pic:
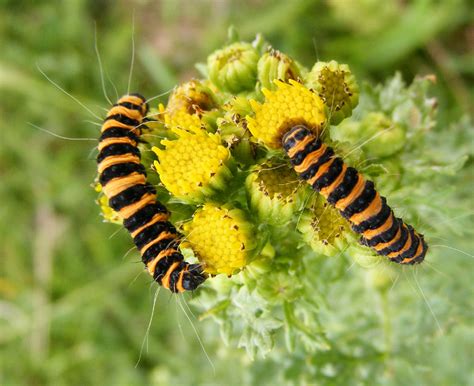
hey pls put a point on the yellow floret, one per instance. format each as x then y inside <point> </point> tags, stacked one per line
<point>193,164</point>
<point>289,105</point>
<point>221,238</point>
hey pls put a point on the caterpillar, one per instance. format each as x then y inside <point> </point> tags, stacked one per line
<point>123,180</point>
<point>356,199</point>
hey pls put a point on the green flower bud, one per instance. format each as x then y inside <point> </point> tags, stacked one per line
<point>384,137</point>
<point>234,68</point>
<point>273,192</point>
<point>337,86</point>
<point>276,65</point>
<point>324,229</point>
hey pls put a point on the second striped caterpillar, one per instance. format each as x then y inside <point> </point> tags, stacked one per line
<point>356,199</point>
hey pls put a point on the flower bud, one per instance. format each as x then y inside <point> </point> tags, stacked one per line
<point>221,238</point>
<point>324,229</point>
<point>274,192</point>
<point>276,65</point>
<point>234,68</point>
<point>337,86</point>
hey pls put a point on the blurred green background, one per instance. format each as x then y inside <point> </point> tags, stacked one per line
<point>72,309</point>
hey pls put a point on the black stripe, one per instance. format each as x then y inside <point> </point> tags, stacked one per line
<point>383,237</point>
<point>175,276</point>
<point>151,232</point>
<point>290,141</point>
<point>130,196</point>
<point>410,252</point>
<point>118,132</point>
<point>193,277</point>
<point>120,170</point>
<point>362,201</point>
<point>418,259</point>
<point>330,176</point>
<point>375,221</point>
<point>309,148</point>
<point>156,248</point>
<point>123,119</point>
<point>143,216</point>
<point>397,245</point>
<point>345,187</point>
<point>164,264</point>
<point>131,106</point>
<point>311,171</point>
<point>117,149</point>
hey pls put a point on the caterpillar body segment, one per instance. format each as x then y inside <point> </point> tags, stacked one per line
<point>123,180</point>
<point>356,198</point>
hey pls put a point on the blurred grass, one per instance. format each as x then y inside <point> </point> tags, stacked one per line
<point>71,311</point>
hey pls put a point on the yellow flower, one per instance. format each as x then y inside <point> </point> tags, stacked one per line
<point>186,105</point>
<point>194,165</point>
<point>290,105</point>
<point>221,238</point>
<point>108,213</point>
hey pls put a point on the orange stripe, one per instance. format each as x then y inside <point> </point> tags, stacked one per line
<point>151,266</point>
<point>356,191</point>
<point>160,237</point>
<point>133,208</point>
<point>132,99</point>
<point>165,282</point>
<point>300,145</point>
<point>329,189</point>
<point>119,184</point>
<point>417,253</point>
<point>407,246</point>
<point>179,284</point>
<point>129,113</point>
<point>371,233</point>
<point>111,141</point>
<point>395,238</point>
<point>310,159</point>
<point>117,159</point>
<point>156,218</point>
<point>374,208</point>
<point>322,169</point>
<point>113,123</point>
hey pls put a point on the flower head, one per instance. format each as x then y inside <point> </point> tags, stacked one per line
<point>274,193</point>
<point>276,65</point>
<point>187,104</point>
<point>324,229</point>
<point>108,213</point>
<point>234,68</point>
<point>221,238</point>
<point>194,165</point>
<point>337,86</point>
<point>289,105</point>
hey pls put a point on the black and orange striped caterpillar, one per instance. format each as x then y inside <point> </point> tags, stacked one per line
<point>123,180</point>
<point>356,199</point>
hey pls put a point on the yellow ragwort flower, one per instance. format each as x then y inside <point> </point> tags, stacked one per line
<point>108,213</point>
<point>186,105</point>
<point>194,165</point>
<point>221,238</point>
<point>289,105</point>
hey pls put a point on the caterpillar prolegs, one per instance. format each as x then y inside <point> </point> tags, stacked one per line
<point>357,200</point>
<point>123,180</point>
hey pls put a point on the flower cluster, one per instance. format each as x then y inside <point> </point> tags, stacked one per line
<point>242,209</point>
